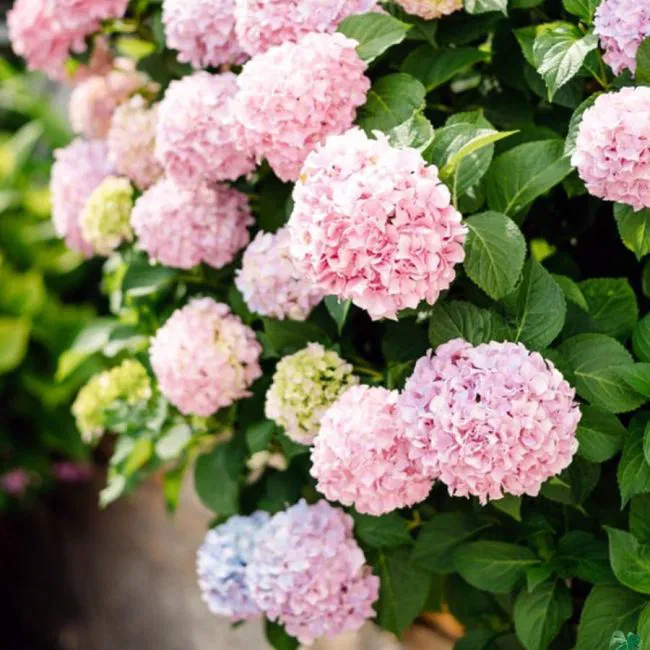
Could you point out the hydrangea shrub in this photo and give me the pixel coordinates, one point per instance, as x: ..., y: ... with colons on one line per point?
x: 378, y: 270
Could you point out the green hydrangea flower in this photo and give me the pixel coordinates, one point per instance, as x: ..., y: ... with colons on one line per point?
x: 305, y: 384
x: 106, y: 218
x: 128, y: 382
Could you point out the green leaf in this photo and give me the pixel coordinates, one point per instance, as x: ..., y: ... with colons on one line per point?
x: 633, y: 472
x: 641, y: 339
x: 584, y: 9
x: 594, y: 358
x: 644, y: 626
x: 404, y: 341
x: 640, y: 517
x: 494, y: 253
x: 416, y: 133
x: 642, y: 76
x: 374, y: 32
x: 559, y: 53
x: 387, y: 531
x: 436, y: 67
x: 286, y: 336
x: 574, y: 124
x: 140, y: 455
x: 173, y: 441
x: 259, y: 434
x: 338, y: 310
x: 636, y: 377
x: 630, y: 560
x: 216, y: 478
x: 634, y: 228
x: 448, y: 142
x: 278, y: 638
x: 403, y: 591
x: 621, y: 642
x: 143, y: 278
x: 611, y: 304
x: 457, y: 319
x: 537, y: 575
x: 606, y: 609
x: 441, y: 535
x: 485, y: 6
x: 496, y: 567
x: 571, y: 291
x: 14, y: 339
x: 539, y: 616
x: 508, y: 504
x: 581, y: 555
x: 600, y: 434
x: 574, y: 484
x: 537, y: 307
x: 520, y: 175
x: 483, y: 138
x: 392, y: 100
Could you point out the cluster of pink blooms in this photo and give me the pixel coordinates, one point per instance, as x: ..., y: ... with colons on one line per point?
x: 490, y: 419
x: 78, y: 169
x: 204, y: 357
x: 202, y: 31
x: 261, y: 24
x: 296, y: 94
x: 613, y: 147
x: 131, y: 142
x: 361, y: 454
x: 46, y: 33
x: 182, y: 228
x: 269, y: 282
x: 93, y: 101
x: 374, y: 224
x: 622, y: 25
x: 196, y: 141
x: 308, y: 572
x: 431, y: 9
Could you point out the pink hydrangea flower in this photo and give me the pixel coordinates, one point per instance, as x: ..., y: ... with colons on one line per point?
x: 15, y: 481
x: 46, y: 32
x: 195, y: 138
x: 204, y: 357
x: 296, y: 94
x: 430, y: 9
x: 93, y: 101
x: 622, y: 25
x: 374, y: 224
x: 78, y: 169
x: 269, y: 282
x: 131, y: 142
x: 261, y: 24
x: 308, y: 572
x: 202, y: 31
x: 613, y: 147
x: 361, y: 454
x: 490, y: 420
x: 182, y: 228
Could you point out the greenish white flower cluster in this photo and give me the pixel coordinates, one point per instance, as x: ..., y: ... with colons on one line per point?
x: 128, y: 382
x: 304, y: 386
x: 106, y: 217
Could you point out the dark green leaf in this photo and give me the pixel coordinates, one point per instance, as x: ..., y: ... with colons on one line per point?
x: 574, y: 484
x: 574, y: 124
x: 258, y: 435
x: 508, y: 504
x: 457, y: 319
x: 641, y: 339
x: 387, y: 531
x: 216, y: 478
x: 338, y: 310
x: 539, y: 616
x: 278, y: 638
x: 496, y: 567
x: 435, y: 67
x: 633, y: 470
x: 634, y: 228
x: 640, y: 517
x: 441, y: 535
x: 600, y: 434
x: 643, y: 63
x: 584, y: 9
x: 404, y: 341
x: 143, y: 278
x: 630, y: 560
x: 495, y: 250
x: 611, y: 304
x: 581, y: 555
x: 416, y: 133
x: 287, y: 336
x: 14, y: 339
x: 374, y: 32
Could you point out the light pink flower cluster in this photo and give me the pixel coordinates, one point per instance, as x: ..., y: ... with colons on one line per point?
x: 132, y: 140
x: 46, y: 32
x: 261, y: 24
x: 374, y: 224
x: 622, y: 25
x: 78, y: 169
x: 269, y: 282
x: 430, y: 9
x: 613, y: 147
x: 93, y: 101
x: 196, y: 140
x: 308, y: 572
x: 361, y: 454
x: 182, y: 228
x: 490, y: 420
x: 204, y: 357
x: 296, y: 94
x: 202, y: 31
